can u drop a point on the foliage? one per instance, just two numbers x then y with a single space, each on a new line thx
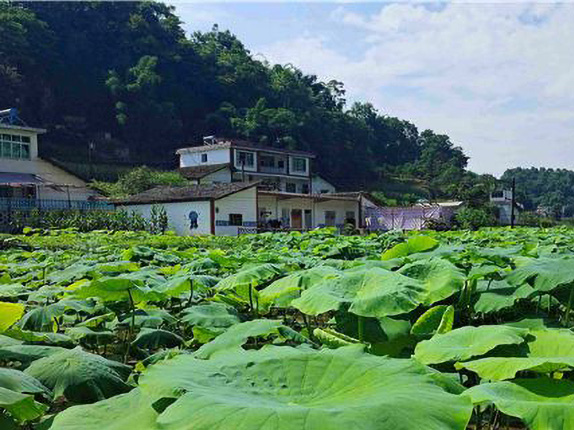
138 180
469 218
130 69
408 330
38 222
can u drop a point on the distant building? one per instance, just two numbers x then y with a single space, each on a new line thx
502 200
24 175
266 189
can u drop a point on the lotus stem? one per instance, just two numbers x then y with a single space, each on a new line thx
361 328
133 322
190 292
569 307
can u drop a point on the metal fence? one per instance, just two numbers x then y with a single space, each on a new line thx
12 209
21 204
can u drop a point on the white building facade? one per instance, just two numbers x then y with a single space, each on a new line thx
250 188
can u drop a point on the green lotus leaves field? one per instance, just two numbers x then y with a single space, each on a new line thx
287 331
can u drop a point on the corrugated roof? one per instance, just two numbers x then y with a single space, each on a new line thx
198 172
14 178
168 194
221 142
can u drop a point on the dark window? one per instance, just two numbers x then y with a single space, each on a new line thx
204 158
281 164
245 159
290 187
305 188
299 165
324 191
236 219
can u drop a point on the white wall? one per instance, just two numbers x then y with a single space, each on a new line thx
45 170
221 176
178 216
244 203
318 185
277 207
341 207
214 156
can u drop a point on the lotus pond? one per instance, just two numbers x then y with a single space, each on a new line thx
315 331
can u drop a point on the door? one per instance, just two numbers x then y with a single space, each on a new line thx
308 219
296 218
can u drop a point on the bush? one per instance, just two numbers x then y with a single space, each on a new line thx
532 219
139 180
474 218
85 221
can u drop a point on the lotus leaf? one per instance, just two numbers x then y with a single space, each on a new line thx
467 342
80 376
542 403
282 388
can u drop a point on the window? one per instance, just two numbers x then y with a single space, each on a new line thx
305 188
204 158
290 187
236 219
330 218
324 191
281 164
14 146
299 165
245 159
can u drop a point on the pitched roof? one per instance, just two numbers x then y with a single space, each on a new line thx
221 142
168 194
198 172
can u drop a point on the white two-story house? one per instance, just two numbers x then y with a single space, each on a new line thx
272 188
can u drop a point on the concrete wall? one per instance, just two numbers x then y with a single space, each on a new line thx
178 216
320 185
215 156
244 203
221 176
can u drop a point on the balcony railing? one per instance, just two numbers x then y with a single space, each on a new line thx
273 170
20 204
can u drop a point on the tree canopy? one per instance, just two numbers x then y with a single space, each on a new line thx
129 69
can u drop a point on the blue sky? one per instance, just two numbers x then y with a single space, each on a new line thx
497 77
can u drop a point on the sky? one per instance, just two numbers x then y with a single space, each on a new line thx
498 78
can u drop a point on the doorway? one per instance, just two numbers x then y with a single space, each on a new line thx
296 218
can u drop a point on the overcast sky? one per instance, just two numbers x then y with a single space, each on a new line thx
496 77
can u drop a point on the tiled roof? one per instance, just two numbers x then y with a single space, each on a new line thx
198 172
167 194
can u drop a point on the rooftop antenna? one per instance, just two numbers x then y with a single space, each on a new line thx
209 140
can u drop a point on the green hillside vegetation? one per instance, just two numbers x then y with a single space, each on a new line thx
87 71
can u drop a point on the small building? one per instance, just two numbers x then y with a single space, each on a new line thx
502 200
25 175
220 209
251 188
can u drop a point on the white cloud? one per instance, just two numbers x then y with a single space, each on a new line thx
498 78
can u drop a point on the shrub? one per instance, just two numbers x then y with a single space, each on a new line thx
474 218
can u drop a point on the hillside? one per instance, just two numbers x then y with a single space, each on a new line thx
125 77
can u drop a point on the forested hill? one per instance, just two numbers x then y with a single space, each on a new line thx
128 70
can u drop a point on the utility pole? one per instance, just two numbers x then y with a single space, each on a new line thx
512 202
